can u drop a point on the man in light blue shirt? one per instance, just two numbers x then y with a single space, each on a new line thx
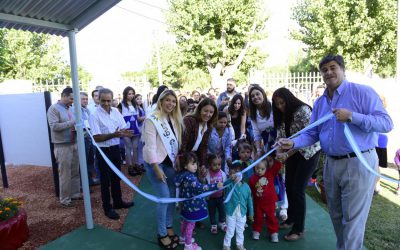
349 186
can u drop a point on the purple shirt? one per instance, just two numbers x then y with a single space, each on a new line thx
369 117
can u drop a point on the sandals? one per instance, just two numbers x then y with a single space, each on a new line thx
174 238
172 244
285 225
293 236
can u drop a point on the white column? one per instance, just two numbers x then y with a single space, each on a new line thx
79 129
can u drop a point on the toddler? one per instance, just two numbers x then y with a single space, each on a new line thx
264 196
245 160
216 200
236 208
192 210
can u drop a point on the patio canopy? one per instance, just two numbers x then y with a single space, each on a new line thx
61 18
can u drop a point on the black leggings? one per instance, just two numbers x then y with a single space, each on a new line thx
298 172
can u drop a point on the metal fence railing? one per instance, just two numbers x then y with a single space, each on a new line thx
302 84
55 86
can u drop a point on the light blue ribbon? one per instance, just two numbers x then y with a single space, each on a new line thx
310 126
154 198
357 151
134 187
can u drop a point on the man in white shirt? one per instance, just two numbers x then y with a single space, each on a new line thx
108 125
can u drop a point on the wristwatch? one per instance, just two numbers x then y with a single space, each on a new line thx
350 119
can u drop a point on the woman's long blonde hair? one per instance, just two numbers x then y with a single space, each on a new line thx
175 115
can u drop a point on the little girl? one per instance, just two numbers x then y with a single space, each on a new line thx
236 208
192 210
264 195
220 141
216 200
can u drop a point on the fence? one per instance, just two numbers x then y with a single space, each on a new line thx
55 86
302 84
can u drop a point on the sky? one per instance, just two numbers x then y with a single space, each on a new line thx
122 39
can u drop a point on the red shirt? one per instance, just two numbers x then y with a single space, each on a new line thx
262 187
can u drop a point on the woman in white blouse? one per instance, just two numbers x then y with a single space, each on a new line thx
262 120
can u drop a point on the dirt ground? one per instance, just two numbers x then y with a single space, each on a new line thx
47 220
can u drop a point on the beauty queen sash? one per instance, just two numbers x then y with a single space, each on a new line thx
167 136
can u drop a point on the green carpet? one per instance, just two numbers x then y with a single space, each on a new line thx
139 232
98 238
141 223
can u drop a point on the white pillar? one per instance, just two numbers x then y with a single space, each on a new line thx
79 129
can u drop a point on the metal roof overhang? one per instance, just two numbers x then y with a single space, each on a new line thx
62 18
55 17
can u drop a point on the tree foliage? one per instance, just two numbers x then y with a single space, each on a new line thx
363 31
175 73
217 36
27 55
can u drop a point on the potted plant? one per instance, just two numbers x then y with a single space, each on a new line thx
13 224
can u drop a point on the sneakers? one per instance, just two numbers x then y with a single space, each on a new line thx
192 246
256 235
274 238
283 214
182 240
214 229
226 248
240 247
223 226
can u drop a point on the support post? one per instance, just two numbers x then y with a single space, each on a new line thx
3 165
79 129
47 102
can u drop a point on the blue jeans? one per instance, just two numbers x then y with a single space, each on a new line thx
165 211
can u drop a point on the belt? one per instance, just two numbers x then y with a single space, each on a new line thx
349 155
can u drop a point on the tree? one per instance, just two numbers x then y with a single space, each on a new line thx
216 36
175 73
33 56
363 31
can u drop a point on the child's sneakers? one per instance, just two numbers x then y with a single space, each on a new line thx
214 229
283 214
274 238
240 247
192 246
223 226
182 240
256 235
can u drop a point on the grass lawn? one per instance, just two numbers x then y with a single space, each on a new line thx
383 224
